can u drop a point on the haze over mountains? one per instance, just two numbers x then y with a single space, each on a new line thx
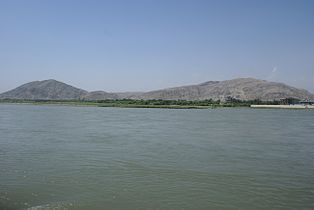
241 88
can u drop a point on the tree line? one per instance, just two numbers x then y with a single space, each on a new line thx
158 102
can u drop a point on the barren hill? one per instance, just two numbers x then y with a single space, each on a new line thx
242 89
45 90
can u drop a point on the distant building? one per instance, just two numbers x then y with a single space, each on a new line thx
306 102
288 101
230 99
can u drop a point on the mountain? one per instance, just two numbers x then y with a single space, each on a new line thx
241 88
45 90
99 95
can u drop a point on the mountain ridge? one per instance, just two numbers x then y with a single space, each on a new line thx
239 88
50 89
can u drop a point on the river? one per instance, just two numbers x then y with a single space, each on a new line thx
121 158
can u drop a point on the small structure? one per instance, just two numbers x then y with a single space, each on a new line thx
288 101
306 102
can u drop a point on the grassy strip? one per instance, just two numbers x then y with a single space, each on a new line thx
129 103
154 106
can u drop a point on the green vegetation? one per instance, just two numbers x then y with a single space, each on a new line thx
132 103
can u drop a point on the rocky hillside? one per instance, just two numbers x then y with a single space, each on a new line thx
242 89
99 95
45 90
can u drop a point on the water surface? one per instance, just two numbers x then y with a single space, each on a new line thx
119 158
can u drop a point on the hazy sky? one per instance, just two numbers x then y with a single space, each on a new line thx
144 45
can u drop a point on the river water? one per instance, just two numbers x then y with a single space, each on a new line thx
65 157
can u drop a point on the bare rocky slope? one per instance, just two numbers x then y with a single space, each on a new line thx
99 95
242 89
45 90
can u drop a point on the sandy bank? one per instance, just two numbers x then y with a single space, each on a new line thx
284 106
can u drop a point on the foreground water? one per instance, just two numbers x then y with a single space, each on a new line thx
111 158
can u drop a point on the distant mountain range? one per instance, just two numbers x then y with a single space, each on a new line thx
241 88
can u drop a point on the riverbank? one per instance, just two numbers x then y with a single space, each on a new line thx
132 103
159 104
117 105
298 106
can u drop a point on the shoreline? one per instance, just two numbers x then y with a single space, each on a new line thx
95 104
282 106
155 106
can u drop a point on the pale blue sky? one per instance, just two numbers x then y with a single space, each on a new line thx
136 45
